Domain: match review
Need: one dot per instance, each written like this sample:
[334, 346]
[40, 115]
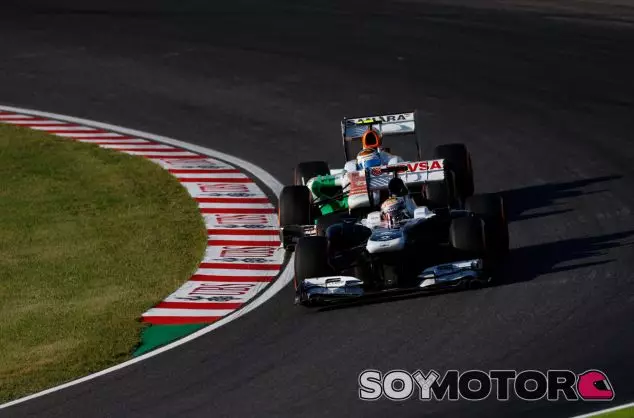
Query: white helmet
[394, 211]
[368, 158]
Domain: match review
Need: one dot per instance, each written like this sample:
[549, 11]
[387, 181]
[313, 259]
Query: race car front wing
[323, 290]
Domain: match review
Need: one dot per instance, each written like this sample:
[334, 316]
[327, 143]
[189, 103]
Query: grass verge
[620, 413]
[89, 239]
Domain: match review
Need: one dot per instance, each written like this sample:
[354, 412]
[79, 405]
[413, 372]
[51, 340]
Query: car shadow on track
[549, 195]
[529, 262]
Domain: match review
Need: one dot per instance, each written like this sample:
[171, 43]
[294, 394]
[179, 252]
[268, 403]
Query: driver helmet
[393, 211]
[368, 158]
[371, 139]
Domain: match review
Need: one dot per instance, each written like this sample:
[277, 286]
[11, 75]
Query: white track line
[14, 117]
[276, 187]
[53, 129]
[87, 135]
[33, 123]
[605, 411]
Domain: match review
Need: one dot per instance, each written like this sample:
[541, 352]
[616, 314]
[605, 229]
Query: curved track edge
[265, 293]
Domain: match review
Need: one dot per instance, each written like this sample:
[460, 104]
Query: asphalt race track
[544, 100]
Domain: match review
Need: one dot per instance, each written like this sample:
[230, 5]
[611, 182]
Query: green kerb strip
[156, 336]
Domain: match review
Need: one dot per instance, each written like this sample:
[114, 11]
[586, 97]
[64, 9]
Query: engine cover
[385, 240]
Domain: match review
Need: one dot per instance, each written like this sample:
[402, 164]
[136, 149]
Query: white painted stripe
[15, 117]
[132, 146]
[202, 164]
[204, 189]
[283, 280]
[187, 312]
[88, 135]
[236, 272]
[263, 221]
[210, 175]
[30, 123]
[224, 254]
[263, 238]
[114, 141]
[62, 128]
[236, 205]
[606, 411]
[267, 227]
[162, 152]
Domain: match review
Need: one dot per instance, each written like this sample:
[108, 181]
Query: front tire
[490, 207]
[466, 235]
[311, 259]
[295, 206]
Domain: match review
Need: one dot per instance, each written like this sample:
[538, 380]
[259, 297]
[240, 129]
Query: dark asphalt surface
[544, 102]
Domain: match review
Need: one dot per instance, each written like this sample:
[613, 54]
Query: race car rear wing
[417, 173]
[352, 129]
[412, 174]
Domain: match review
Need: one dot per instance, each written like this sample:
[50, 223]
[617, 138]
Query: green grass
[620, 413]
[89, 240]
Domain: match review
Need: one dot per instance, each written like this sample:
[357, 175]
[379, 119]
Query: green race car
[321, 196]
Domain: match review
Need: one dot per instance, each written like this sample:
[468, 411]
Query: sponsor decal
[248, 251]
[234, 289]
[424, 165]
[241, 219]
[400, 117]
[197, 291]
[414, 167]
[477, 385]
[222, 187]
[207, 298]
[229, 194]
[240, 226]
[205, 189]
[254, 221]
[247, 260]
[242, 254]
[203, 164]
[358, 183]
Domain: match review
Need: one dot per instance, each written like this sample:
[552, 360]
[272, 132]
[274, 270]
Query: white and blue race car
[402, 247]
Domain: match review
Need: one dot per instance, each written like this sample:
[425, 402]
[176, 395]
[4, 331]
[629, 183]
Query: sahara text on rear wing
[352, 129]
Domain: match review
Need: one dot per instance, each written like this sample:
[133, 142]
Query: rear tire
[311, 259]
[490, 207]
[308, 170]
[440, 194]
[458, 160]
[295, 206]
